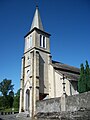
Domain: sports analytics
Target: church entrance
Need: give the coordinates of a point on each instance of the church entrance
(27, 99)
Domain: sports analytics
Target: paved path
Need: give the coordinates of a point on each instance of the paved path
(12, 117)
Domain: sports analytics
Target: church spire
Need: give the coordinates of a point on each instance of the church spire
(37, 21)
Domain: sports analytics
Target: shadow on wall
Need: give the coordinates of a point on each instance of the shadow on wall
(41, 82)
(73, 86)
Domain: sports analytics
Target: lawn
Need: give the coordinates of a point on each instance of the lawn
(9, 110)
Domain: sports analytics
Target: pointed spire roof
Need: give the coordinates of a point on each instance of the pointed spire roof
(37, 20)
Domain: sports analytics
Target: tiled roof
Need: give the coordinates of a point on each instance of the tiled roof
(69, 71)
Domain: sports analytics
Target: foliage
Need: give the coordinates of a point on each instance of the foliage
(11, 99)
(8, 100)
(18, 93)
(1, 101)
(6, 86)
(81, 81)
(9, 110)
(87, 76)
(16, 99)
(84, 79)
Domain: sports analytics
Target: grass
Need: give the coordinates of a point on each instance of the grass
(9, 110)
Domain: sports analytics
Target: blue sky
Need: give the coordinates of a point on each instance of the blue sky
(68, 22)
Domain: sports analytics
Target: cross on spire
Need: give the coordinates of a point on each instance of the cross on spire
(36, 3)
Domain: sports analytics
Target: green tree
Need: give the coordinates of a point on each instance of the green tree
(82, 81)
(18, 93)
(6, 86)
(1, 101)
(87, 76)
(16, 99)
(11, 99)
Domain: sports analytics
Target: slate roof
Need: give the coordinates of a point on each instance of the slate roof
(72, 73)
(37, 20)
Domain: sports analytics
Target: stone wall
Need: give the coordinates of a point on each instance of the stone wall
(77, 102)
(49, 105)
(73, 103)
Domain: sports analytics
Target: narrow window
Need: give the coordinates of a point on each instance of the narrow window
(25, 43)
(43, 41)
(28, 45)
(40, 40)
(30, 41)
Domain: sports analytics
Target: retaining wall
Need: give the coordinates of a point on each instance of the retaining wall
(49, 105)
(77, 102)
(72, 103)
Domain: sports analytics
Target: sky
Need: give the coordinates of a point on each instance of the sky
(68, 22)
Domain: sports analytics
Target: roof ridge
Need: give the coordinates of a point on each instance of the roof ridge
(60, 63)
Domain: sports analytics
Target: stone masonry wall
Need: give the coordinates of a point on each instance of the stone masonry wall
(77, 102)
(49, 105)
(73, 103)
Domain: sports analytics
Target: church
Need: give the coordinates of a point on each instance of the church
(41, 77)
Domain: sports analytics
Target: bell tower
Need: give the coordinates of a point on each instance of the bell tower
(34, 72)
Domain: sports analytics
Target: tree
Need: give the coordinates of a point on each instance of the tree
(82, 81)
(6, 86)
(11, 98)
(1, 101)
(18, 93)
(16, 99)
(87, 76)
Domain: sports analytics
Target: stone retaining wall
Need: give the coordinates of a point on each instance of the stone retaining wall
(72, 103)
(77, 102)
(49, 105)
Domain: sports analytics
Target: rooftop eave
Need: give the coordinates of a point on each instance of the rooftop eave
(36, 30)
(68, 70)
(67, 77)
